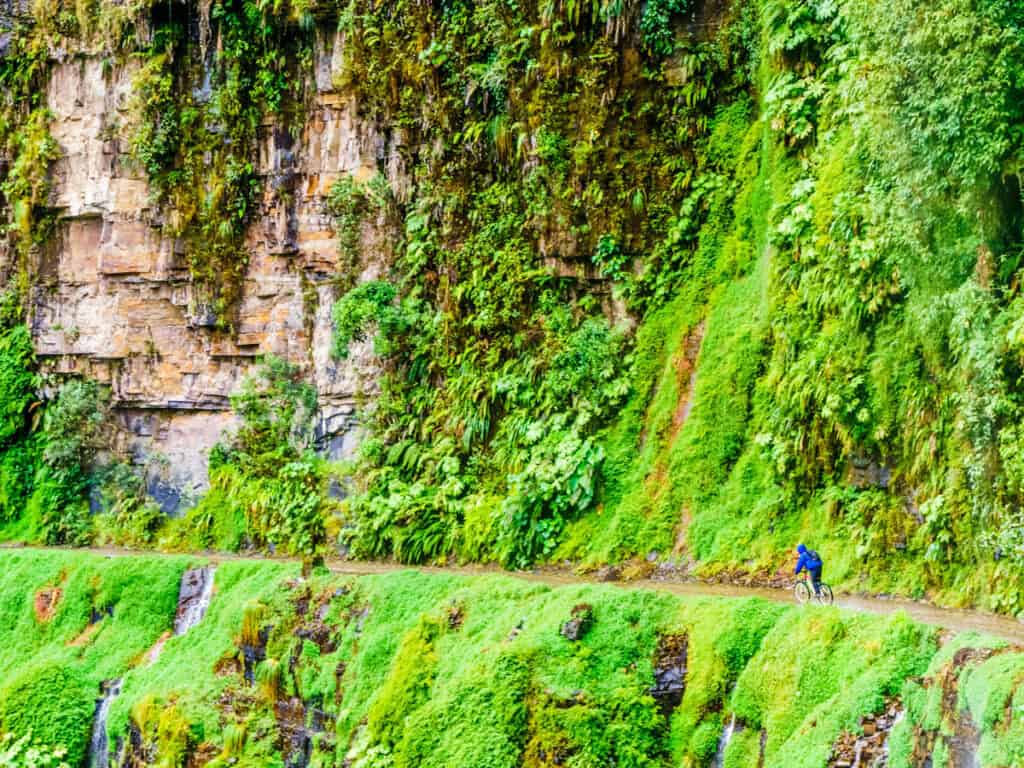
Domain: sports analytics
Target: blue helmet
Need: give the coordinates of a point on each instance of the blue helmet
(801, 549)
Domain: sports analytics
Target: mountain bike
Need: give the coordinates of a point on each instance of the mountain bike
(804, 591)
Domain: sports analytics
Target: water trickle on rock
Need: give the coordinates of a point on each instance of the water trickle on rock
(884, 759)
(869, 748)
(964, 744)
(193, 598)
(728, 731)
(99, 746)
(858, 752)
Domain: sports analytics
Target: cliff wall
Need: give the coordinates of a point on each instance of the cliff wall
(114, 299)
(668, 285)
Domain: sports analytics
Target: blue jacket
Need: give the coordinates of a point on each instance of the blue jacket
(806, 561)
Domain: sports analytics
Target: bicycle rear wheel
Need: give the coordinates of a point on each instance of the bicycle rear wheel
(825, 596)
(802, 592)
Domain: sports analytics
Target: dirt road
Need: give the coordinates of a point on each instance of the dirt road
(952, 619)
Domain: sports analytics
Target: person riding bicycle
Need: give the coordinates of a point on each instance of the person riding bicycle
(812, 562)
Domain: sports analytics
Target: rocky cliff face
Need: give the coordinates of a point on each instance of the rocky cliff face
(115, 300)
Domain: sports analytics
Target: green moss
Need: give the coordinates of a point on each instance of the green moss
(53, 703)
(407, 686)
(17, 383)
(480, 720)
(744, 749)
(820, 668)
(53, 665)
(198, 130)
(429, 670)
(991, 694)
(646, 282)
(186, 669)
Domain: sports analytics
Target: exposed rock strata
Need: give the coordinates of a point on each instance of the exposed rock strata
(114, 299)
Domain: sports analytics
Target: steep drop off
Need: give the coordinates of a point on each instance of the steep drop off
(696, 279)
(430, 670)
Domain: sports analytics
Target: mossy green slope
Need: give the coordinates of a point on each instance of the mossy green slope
(106, 615)
(411, 669)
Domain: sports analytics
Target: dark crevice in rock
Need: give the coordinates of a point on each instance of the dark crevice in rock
(97, 615)
(253, 653)
(670, 672)
(302, 727)
(871, 746)
(295, 742)
(579, 623)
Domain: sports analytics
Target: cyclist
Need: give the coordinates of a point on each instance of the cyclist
(812, 561)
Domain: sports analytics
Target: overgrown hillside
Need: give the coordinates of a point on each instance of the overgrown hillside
(699, 279)
(428, 670)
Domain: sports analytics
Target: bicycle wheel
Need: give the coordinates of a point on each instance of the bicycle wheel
(802, 592)
(825, 596)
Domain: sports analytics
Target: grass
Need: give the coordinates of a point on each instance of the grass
(185, 670)
(51, 670)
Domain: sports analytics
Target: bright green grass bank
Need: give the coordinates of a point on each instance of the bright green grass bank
(51, 671)
(411, 669)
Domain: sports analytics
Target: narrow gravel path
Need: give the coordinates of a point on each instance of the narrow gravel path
(948, 618)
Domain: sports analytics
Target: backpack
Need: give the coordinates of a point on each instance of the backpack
(813, 556)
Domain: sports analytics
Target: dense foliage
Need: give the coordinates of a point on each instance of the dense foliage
(844, 255)
(104, 616)
(47, 450)
(24, 753)
(698, 280)
(549, 144)
(201, 103)
(267, 484)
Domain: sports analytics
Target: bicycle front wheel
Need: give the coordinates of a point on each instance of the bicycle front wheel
(825, 596)
(802, 592)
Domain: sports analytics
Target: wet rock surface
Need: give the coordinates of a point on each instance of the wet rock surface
(138, 751)
(670, 672)
(965, 739)
(313, 614)
(296, 743)
(579, 623)
(303, 724)
(456, 615)
(964, 744)
(253, 653)
(870, 748)
(118, 302)
(960, 737)
(194, 597)
(302, 727)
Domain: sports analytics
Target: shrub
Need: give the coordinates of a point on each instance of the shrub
(24, 752)
(17, 381)
(267, 486)
(128, 516)
(72, 434)
(356, 310)
(52, 701)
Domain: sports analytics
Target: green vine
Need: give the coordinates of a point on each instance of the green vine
(199, 128)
